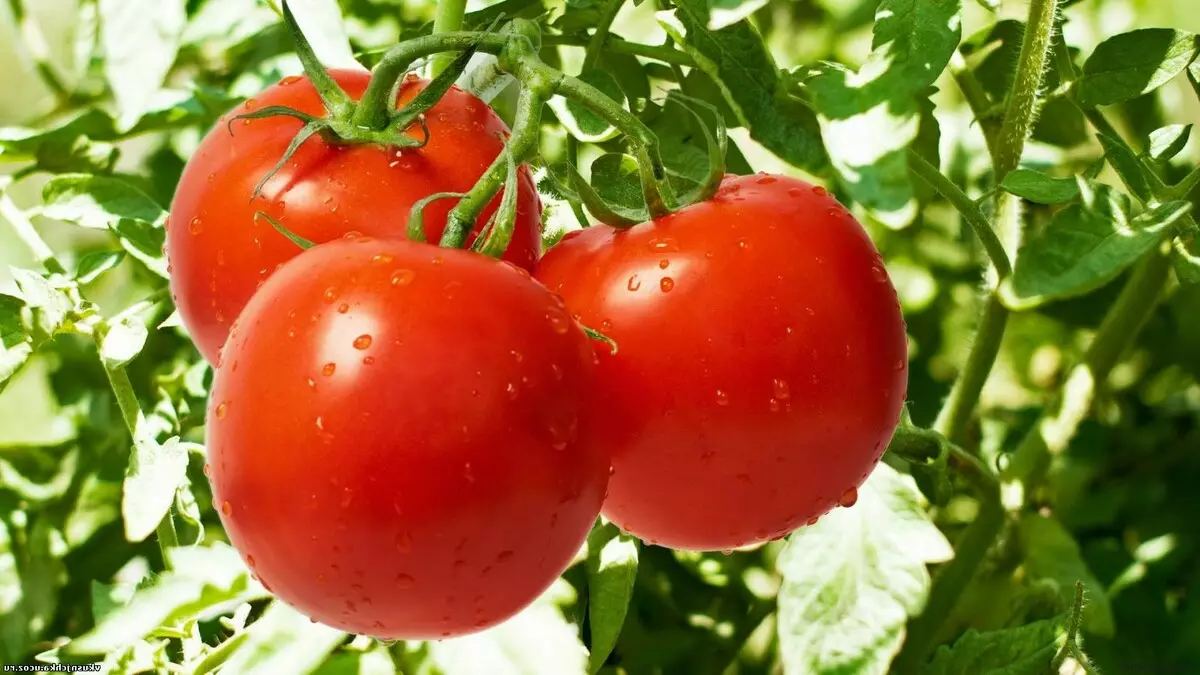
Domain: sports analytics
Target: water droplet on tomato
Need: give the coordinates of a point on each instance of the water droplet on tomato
(382, 258)
(250, 561)
(467, 474)
(819, 191)
(404, 542)
(368, 360)
(352, 234)
(195, 226)
(781, 389)
(899, 365)
(347, 497)
(289, 80)
(517, 356)
(351, 607)
(331, 294)
(666, 284)
(222, 409)
(207, 469)
(437, 260)
(558, 373)
(512, 391)
(402, 277)
(634, 283)
(879, 273)
(812, 521)
(226, 507)
(328, 369)
(343, 308)
(849, 498)
(664, 244)
(743, 244)
(664, 264)
(320, 423)
(722, 398)
(559, 323)
(766, 180)
(312, 384)
(362, 341)
(774, 405)
(727, 551)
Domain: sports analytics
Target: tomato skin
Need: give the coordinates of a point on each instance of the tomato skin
(762, 361)
(219, 252)
(398, 441)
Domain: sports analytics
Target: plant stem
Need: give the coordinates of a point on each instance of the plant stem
(976, 98)
(955, 415)
(376, 103)
(1023, 98)
(966, 207)
(1054, 430)
(969, 550)
(617, 45)
(449, 19)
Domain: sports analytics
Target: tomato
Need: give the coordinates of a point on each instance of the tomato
(219, 252)
(398, 441)
(762, 361)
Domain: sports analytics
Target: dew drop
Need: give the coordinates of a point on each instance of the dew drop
(774, 405)
(250, 561)
(781, 389)
(812, 521)
(766, 180)
(195, 226)
(226, 507)
(368, 360)
(402, 277)
(331, 294)
(207, 469)
(312, 384)
(819, 191)
(328, 369)
(221, 410)
(320, 423)
(512, 391)
(517, 356)
(382, 258)
(362, 341)
(899, 365)
(722, 398)
(666, 244)
(879, 273)
(559, 323)
(634, 283)
(437, 260)
(849, 497)
(289, 80)
(666, 284)
(503, 556)
(664, 264)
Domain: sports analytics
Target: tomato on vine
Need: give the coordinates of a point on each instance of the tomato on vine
(761, 363)
(220, 251)
(399, 441)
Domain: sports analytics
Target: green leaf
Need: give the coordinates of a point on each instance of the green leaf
(1169, 141)
(155, 471)
(615, 177)
(51, 306)
(538, 641)
(1128, 65)
(851, 581)
(16, 345)
(728, 12)
(1039, 188)
(612, 568)
(283, 641)
(1084, 247)
(1024, 650)
(31, 573)
(140, 40)
(123, 341)
(912, 44)
(1185, 260)
(97, 201)
(144, 241)
(201, 579)
(581, 122)
(1052, 553)
(1127, 166)
(92, 265)
(736, 58)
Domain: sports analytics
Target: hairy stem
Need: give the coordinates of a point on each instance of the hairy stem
(449, 18)
(1027, 83)
(976, 98)
(966, 207)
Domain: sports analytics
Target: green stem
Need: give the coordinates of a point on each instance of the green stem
(1054, 430)
(1023, 99)
(966, 207)
(1072, 630)
(521, 145)
(449, 19)
(976, 98)
(617, 45)
(969, 551)
(955, 415)
(375, 106)
(335, 100)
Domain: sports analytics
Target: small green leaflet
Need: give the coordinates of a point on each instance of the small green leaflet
(123, 341)
(1168, 141)
(1084, 247)
(283, 641)
(92, 265)
(851, 581)
(16, 346)
(1052, 553)
(1128, 167)
(103, 202)
(1039, 188)
(51, 305)
(580, 121)
(1024, 650)
(1128, 65)
(612, 568)
(155, 471)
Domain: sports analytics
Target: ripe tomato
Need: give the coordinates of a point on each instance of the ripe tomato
(397, 438)
(219, 252)
(762, 361)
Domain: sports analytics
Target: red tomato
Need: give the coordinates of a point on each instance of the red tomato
(219, 252)
(762, 361)
(397, 438)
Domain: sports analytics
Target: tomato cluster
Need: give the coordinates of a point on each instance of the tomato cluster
(411, 441)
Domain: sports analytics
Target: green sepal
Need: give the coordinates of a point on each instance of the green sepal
(416, 215)
(336, 101)
(601, 210)
(281, 229)
(494, 240)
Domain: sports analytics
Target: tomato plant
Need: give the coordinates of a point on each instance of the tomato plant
(220, 250)
(761, 360)
(332, 404)
(692, 178)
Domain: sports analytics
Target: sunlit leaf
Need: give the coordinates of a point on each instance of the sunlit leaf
(1052, 553)
(1024, 650)
(140, 39)
(612, 568)
(1128, 65)
(155, 471)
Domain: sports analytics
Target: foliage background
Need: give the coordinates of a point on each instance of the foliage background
(1117, 510)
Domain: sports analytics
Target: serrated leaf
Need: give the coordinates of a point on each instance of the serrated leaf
(283, 640)
(201, 579)
(1127, 166)
(1169, 141)
(1084, 247)
(1039, 188)
(538, 641)
(912, 44)
(583, 123)
(16, 345)
(155, 471)
(50, 304)
(1128, 65)
(1052, 553)
(97, 201)
(738, 61)
(612, 568)
(92, 265)
(851, 581)
(123, 341)
(1024, 650)
(140, 39)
